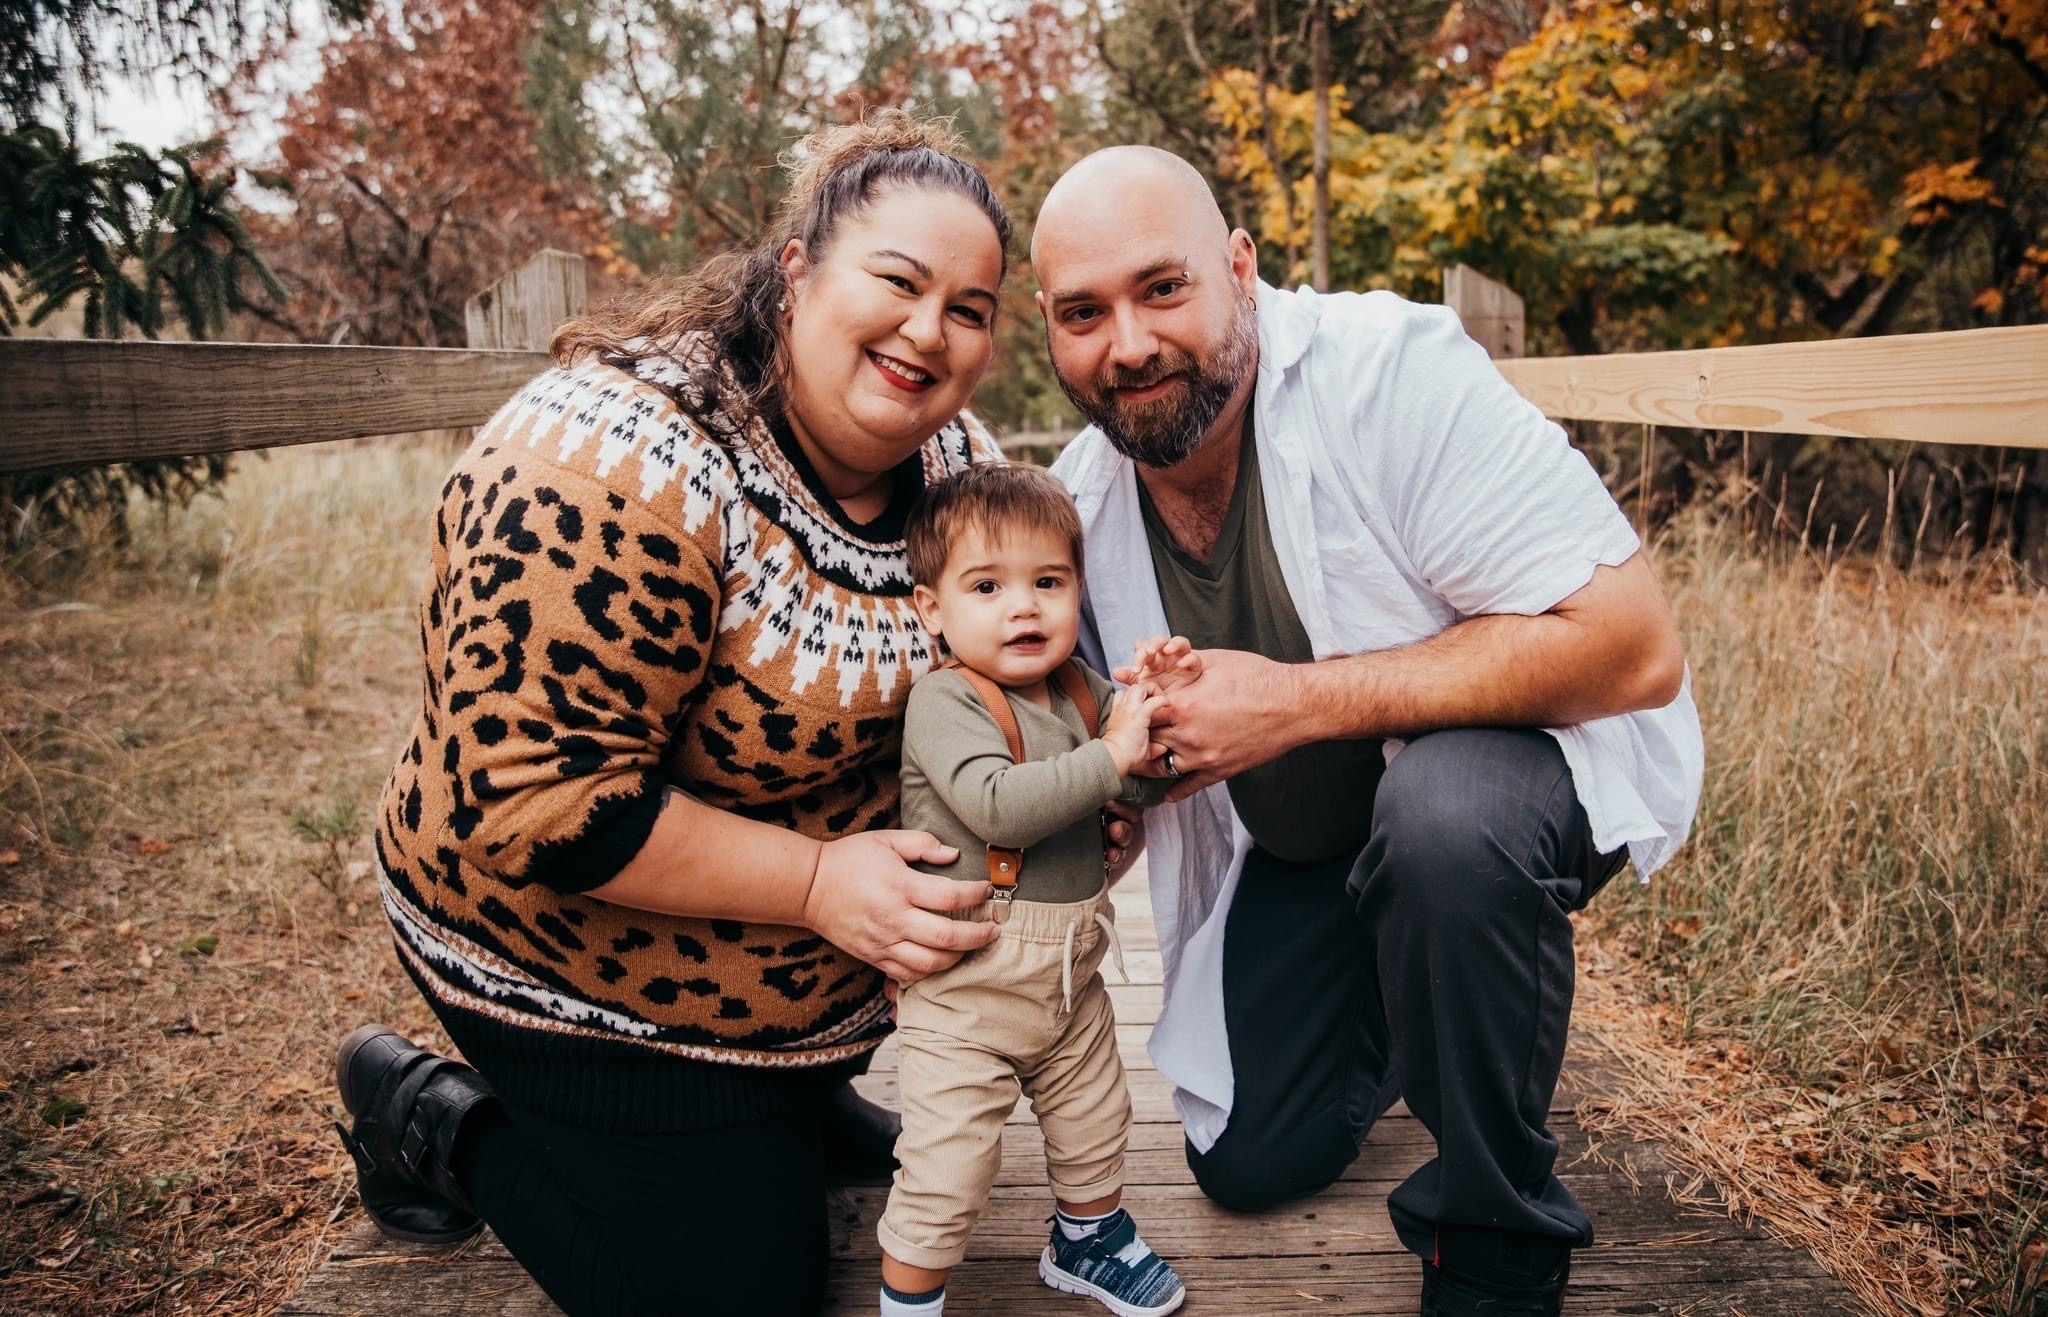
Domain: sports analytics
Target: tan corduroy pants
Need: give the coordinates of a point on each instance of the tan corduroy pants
(1027, 1013)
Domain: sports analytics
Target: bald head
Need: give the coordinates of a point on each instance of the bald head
(1119, 192)
(1149, 301)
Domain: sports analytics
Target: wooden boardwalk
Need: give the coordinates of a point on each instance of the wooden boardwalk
(1334, 1253)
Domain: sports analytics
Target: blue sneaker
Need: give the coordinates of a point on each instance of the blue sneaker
(1115, 1266)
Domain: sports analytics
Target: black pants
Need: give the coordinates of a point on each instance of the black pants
(1435, 967)
(706, 1222)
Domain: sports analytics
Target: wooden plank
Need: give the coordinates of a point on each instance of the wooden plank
(1338, 1248)
(1491, 311)
(70, 402)
(1606, 1282)
(1330, 1253)
(523, 309)
(1028, 439)
(1973, 386)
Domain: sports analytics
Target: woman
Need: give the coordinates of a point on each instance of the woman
(628, 854)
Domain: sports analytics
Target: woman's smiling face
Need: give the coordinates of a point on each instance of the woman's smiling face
(890, 333)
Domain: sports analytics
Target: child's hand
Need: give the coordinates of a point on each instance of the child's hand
(1169, 662)
(1128, 731)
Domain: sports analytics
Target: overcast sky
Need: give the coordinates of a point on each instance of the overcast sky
(156, 114)
(163, 111)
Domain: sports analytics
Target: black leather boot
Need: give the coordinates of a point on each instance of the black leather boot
(860, 1137)
(408, 1106)
(1482, 1273)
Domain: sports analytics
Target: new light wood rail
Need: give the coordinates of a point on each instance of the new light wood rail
(1972, 386)
(81, 402)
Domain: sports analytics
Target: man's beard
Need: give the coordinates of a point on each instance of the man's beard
(1162, 432)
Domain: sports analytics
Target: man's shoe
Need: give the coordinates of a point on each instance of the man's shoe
(1447, 1292)
(408, 1106)
(860, 1137)
(1114, 1266)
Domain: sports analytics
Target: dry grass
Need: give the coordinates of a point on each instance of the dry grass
(189, 749)
(1832, 1003)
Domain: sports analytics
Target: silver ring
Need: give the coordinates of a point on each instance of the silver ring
(1167, 760)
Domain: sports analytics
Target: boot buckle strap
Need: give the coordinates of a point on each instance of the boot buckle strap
(416, 1145)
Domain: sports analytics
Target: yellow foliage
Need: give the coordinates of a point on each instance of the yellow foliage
(1629, 82)
(1957, 184)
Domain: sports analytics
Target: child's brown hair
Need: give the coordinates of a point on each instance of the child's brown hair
(990, 497)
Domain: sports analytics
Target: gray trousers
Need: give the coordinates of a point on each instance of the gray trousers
(1434, 966)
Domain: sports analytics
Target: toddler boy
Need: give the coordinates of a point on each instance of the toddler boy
(995, 553)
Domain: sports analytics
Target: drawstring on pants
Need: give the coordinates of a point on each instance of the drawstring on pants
(1116, 948)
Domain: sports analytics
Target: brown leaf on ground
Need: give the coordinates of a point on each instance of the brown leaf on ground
(290, 1086)
(1919, 1161)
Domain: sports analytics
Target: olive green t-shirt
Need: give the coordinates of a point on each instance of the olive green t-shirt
(1313, 803)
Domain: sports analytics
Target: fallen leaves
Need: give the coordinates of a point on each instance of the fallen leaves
(286, 1087)
(1919, 1160)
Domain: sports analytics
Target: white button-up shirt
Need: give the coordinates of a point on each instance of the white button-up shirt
(1408, 487)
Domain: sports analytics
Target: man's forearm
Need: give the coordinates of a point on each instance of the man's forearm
(1507, 671)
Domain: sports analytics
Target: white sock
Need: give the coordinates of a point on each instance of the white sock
(1080, 1227)
(913, 1305)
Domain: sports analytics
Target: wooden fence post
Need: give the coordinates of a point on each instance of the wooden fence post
(522, 309)
(1492, 312)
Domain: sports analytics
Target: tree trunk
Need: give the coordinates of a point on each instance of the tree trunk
(1319, 73)
(1268, 39)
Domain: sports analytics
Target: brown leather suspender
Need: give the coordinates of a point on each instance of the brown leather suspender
(1006, 864)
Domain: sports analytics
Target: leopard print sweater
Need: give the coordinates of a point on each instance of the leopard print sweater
(617, 605)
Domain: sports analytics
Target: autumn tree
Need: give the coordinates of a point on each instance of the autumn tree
(674, 111)
(1706, 172)
(413, 177)
(142, 241)
(1163, 58)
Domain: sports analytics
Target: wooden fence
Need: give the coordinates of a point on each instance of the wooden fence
(80, 402)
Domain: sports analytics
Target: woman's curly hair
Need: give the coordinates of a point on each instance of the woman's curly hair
(737, 300)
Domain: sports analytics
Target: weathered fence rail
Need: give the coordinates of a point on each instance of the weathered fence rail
(66, 402)
(73, 402)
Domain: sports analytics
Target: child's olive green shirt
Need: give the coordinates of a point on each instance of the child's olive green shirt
(960, 785)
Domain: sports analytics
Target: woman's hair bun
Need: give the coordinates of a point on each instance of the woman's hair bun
(825, 152)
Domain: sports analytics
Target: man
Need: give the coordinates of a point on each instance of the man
(1442, 701)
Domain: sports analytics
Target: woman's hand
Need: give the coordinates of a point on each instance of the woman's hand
(867, 900)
